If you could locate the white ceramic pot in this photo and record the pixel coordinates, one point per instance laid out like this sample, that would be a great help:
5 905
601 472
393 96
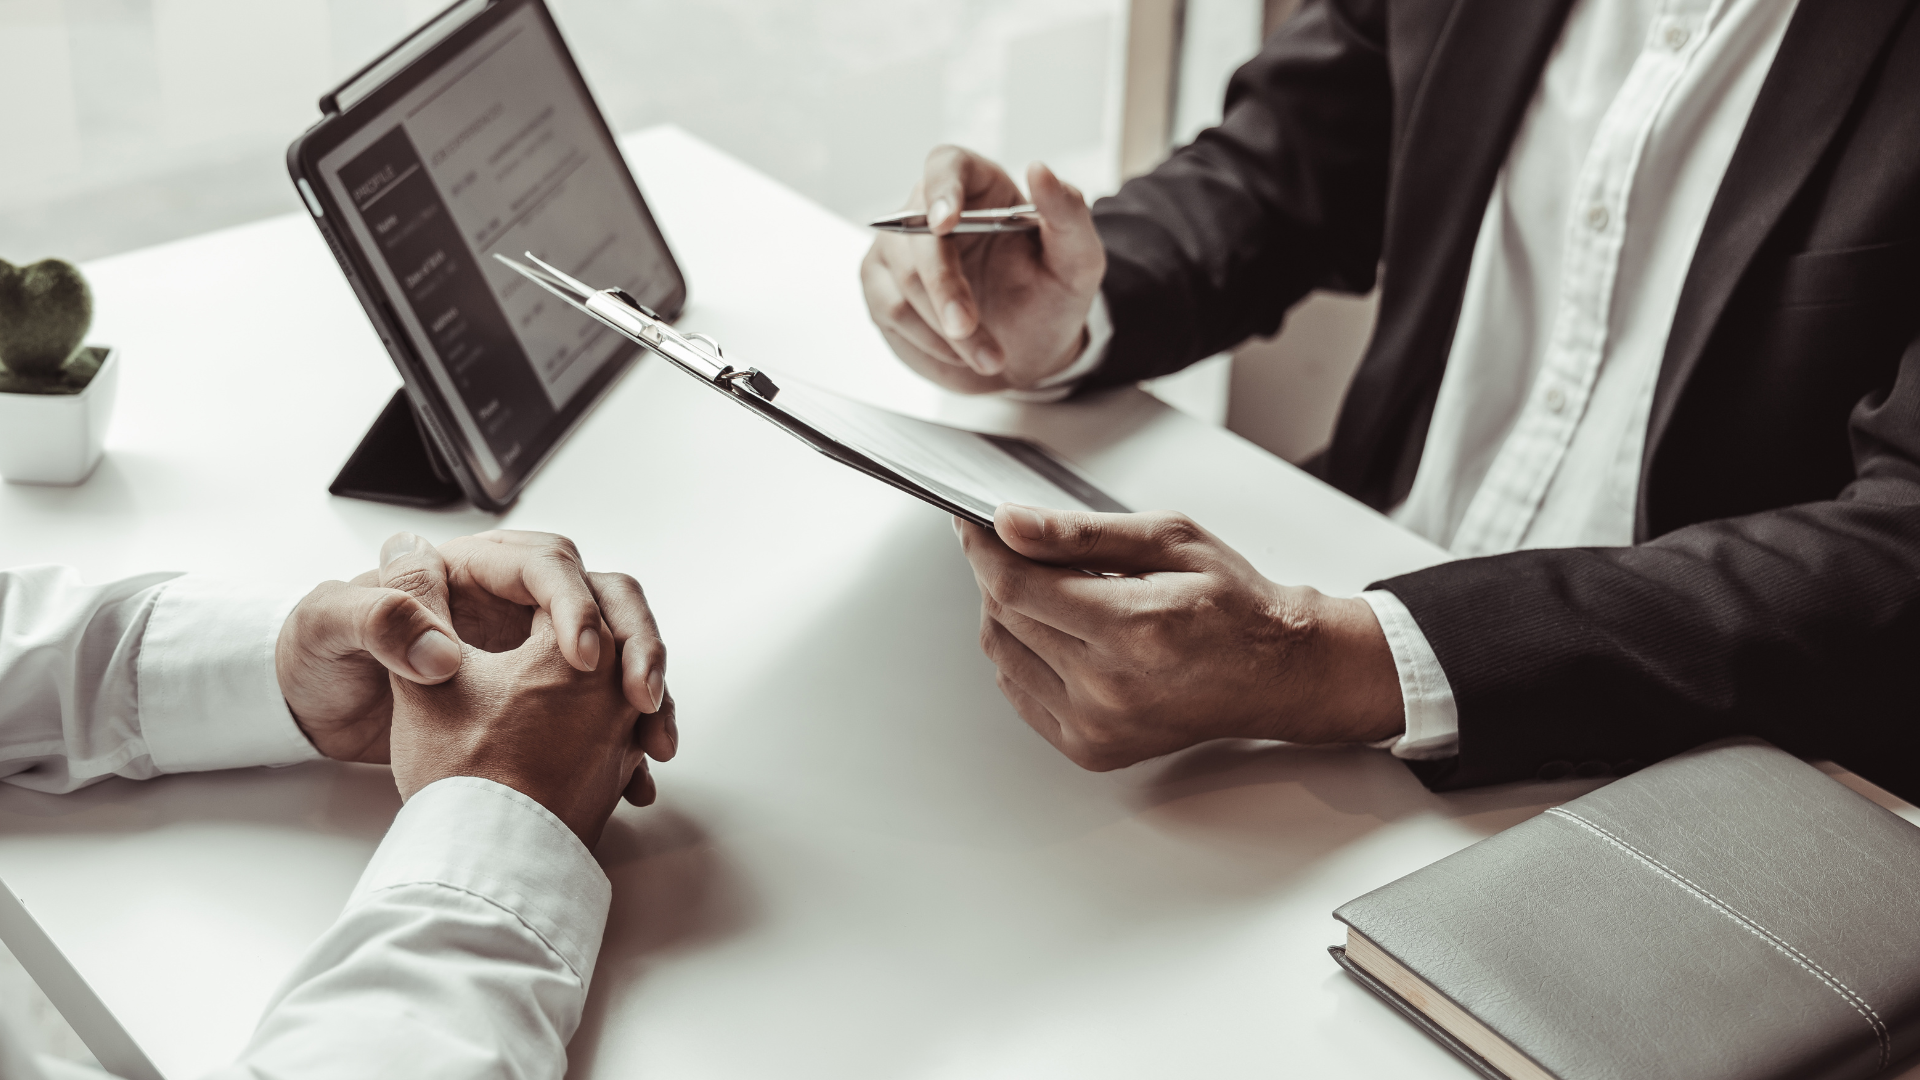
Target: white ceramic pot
57 438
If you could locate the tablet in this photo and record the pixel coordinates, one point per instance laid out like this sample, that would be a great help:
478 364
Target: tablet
476 135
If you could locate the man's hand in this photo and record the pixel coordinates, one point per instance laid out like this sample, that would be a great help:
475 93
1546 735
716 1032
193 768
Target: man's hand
1190 644
336 649
530 718
531 721
988 311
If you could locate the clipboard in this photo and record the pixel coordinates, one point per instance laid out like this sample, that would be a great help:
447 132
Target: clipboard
105 1037
966 473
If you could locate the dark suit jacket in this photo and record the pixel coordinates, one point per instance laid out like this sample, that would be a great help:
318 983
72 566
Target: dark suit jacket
1774 588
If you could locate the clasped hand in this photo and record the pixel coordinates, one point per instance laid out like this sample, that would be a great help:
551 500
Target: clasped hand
1180 641
497 655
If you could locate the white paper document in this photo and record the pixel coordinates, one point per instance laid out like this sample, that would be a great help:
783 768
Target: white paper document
974 470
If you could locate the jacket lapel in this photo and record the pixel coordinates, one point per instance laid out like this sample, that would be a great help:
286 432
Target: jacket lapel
1485 64
1828 50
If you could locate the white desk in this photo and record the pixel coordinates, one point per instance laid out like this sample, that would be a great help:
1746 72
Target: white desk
863 864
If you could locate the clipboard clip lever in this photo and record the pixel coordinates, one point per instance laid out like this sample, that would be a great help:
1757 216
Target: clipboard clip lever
649 329
733 377
752 378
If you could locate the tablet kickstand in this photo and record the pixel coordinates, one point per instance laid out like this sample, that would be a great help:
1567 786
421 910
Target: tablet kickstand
397 463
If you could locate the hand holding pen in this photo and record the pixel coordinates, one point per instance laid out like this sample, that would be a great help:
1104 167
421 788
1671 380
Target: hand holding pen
981 309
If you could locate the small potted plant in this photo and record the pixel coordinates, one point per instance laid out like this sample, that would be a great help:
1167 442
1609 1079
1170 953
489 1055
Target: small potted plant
56 395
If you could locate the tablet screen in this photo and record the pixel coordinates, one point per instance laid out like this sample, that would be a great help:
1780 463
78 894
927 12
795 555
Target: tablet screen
498 148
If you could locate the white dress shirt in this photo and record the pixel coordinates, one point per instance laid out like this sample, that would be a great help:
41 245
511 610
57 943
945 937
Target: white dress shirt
1541 420
467 947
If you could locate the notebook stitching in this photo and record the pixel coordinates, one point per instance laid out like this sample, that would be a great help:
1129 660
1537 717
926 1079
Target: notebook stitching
1763 931
1833 982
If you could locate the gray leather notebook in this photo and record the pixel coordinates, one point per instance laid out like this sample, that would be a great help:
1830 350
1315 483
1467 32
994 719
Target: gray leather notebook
1728 914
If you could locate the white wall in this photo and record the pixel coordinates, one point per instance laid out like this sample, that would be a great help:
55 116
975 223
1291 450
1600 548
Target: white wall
843 98
1219 36
127 122
39 129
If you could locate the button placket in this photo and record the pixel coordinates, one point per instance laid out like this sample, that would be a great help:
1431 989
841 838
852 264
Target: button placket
1517 482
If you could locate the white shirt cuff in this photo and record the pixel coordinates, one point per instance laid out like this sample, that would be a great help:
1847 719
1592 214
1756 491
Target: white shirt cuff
1058 385
1433 719
209 695
487 839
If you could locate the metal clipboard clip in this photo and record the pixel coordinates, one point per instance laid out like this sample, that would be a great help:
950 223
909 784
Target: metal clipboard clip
697 354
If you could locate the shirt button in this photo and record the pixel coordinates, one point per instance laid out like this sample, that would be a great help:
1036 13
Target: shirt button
1676 37
1556 399
1596 218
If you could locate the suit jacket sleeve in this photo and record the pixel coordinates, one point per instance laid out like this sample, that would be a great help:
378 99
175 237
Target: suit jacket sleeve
1800 625
1287 195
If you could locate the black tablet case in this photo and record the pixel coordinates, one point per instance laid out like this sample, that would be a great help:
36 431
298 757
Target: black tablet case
409 457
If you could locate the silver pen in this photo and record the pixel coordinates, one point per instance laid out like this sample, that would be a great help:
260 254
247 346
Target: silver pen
999 219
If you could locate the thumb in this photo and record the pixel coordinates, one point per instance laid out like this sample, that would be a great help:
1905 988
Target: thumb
1110 543
1068 240
399 631
415 570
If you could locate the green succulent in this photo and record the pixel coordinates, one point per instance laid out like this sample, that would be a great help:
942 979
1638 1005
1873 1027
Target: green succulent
45 310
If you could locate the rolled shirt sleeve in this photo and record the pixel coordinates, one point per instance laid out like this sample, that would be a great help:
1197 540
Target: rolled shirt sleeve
464 952
209 692
1433 718
149 674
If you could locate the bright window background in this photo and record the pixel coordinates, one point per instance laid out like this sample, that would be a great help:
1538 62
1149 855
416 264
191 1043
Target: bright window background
129 122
